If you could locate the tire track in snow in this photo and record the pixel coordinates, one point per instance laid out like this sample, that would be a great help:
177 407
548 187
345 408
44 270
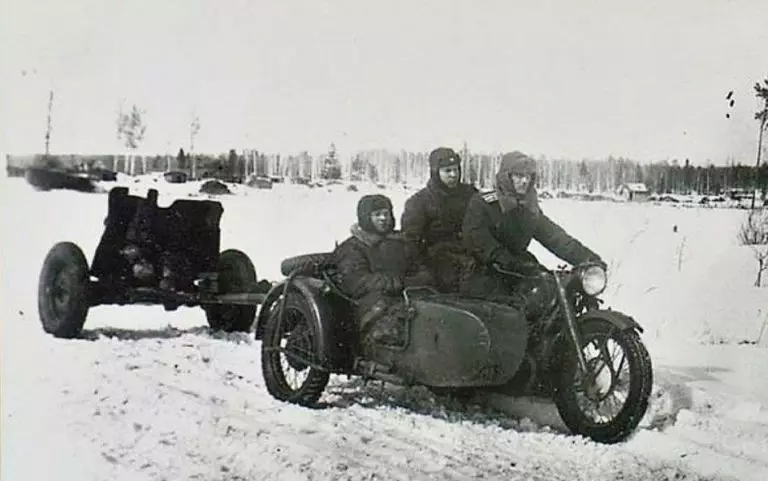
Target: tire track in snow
686 425
211 420
192 405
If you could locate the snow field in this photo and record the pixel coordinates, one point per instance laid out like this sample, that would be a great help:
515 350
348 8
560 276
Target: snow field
154 395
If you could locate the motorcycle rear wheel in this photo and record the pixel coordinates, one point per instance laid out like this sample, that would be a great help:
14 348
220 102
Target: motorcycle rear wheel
289 351
580 403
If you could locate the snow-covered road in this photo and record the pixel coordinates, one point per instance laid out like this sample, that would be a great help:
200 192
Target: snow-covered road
182 403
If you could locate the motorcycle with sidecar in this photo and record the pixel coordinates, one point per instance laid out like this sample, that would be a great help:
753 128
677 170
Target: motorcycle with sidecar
589 360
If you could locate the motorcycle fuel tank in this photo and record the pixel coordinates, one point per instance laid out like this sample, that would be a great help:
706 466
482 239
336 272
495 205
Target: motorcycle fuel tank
458 342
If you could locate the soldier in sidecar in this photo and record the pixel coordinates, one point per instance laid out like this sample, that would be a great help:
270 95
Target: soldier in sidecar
374 311
310 329
372 267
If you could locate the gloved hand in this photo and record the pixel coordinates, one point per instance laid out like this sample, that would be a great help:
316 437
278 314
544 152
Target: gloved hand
397 285
524 267
597 261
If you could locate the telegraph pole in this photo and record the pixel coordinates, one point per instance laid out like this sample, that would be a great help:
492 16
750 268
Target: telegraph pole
48 125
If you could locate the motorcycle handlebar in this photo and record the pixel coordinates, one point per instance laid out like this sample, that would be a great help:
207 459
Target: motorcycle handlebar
501 270
560 269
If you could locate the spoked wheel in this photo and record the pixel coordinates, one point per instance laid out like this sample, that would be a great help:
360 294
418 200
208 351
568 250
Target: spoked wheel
62 292
609 401
289 354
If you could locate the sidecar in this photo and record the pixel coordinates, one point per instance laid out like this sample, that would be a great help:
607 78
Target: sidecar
151 255
308 332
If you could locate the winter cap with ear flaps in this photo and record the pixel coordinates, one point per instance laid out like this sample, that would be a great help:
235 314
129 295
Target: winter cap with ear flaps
518 163
367 205
514 163
442 157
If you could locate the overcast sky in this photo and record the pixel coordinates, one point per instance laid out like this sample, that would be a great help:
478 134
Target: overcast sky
643 79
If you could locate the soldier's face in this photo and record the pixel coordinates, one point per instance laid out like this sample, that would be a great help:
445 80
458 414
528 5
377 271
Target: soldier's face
382 220
449 175
520 182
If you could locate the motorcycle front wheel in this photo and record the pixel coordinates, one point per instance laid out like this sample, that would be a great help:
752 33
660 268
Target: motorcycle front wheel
607 402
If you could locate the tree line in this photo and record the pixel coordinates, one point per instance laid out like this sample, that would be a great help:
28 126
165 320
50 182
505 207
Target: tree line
412 168
400 167
587 175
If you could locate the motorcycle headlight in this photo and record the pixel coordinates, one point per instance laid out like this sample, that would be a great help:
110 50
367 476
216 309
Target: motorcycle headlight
593 280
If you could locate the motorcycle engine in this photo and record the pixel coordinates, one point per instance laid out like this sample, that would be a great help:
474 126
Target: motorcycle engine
539 296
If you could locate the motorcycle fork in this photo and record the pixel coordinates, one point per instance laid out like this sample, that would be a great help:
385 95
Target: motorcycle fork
570 320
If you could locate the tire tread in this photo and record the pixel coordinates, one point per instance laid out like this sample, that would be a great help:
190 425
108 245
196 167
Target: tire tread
309 393
636 406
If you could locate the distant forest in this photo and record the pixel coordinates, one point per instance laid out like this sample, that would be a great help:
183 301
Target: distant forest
390 167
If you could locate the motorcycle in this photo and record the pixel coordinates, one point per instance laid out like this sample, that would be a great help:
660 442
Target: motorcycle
589 360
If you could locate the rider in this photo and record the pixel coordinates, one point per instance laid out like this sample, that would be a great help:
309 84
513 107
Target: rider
499 226
372 268
432 218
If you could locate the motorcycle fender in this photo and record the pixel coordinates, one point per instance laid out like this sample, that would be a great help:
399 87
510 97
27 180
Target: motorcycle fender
261 319
618 319
322 315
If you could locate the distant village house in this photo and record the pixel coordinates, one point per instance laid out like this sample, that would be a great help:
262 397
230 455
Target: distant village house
175 177
633 191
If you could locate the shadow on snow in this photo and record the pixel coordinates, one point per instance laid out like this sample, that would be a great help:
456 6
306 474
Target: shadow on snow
168 332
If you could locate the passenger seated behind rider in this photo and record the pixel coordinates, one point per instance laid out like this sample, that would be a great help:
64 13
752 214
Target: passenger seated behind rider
432 218
498 228
372 268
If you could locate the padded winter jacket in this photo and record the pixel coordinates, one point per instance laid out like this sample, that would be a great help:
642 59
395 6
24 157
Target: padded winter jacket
493 236
433 217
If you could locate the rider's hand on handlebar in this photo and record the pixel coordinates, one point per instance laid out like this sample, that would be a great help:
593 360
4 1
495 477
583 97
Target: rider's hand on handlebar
529 268
596 262
523 267
397 285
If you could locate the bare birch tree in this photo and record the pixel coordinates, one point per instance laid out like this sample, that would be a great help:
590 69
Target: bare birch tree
754 233
194 129
131 129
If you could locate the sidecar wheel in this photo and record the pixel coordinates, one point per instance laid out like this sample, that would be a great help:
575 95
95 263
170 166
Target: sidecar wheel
62 291
609 408
289 354
236 274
